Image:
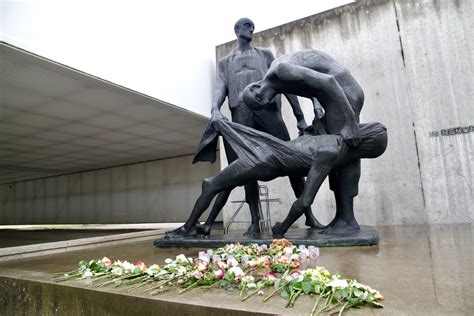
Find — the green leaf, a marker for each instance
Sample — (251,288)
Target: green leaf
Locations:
(277,282)
(285,295)
(317,288)
(297,285)
(307,287)
(376,303)
(345,293)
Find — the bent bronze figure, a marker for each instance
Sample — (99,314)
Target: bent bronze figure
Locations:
(317,76)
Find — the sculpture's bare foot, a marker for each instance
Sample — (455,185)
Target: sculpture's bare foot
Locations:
(312,222)
(278,230)
(341,226)
(253,230)
(181,232)
(204,229)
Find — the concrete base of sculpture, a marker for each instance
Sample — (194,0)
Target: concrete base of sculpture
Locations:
(366,236)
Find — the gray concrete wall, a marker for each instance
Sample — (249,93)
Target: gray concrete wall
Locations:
(157,191)
(414,61)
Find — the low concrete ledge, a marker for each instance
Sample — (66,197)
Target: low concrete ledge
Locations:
(30,297)
(97,227)
(21,252)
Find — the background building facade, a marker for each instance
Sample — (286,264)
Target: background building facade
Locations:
(414,61)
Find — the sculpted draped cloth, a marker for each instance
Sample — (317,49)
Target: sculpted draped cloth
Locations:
(258,148)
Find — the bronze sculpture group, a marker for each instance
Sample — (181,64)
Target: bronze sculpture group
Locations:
(257,143)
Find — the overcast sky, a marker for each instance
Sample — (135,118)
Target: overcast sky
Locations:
(165,49)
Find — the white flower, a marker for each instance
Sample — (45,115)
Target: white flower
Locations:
(127,266)
(117,271)
(232,262)
(153,269)
(338,283)
(87,274)
(168,261)
(237,271)
(182,270)
(181,258)
(295,257)
(247,279)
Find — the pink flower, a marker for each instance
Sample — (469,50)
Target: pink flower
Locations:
(219,273)
(141,265)
(378,296)
(270,276)
(295,273)
(197,274)
(201,265)
(107,262)
(263,262)
(222,265)
(295,264)
(283,259)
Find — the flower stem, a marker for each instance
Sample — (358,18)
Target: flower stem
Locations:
(189,287)
(242,290)
(69,276)
(100,278)
(330,308)
(313,311)
(343,307)
(290,298)
(112,281)
(272,293)
(210,285)
(138,286)
(328,300)
(132,280)
(156,288)
(64,273)
(295,296)
(251,294)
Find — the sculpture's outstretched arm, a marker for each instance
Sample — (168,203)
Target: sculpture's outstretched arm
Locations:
(297,112)
(220,93)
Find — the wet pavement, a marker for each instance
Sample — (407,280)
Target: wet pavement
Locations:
(419,269)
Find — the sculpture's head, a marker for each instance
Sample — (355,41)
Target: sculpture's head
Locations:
(256,95)
(244,28)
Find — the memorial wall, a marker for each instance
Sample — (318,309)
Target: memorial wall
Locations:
(414,61)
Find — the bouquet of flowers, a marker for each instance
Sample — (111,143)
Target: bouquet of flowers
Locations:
(248,268)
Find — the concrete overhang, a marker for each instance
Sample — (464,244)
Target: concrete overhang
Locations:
(57,120)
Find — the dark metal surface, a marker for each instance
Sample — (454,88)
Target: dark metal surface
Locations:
(366,236)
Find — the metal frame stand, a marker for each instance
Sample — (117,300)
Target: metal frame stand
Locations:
(265,223)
